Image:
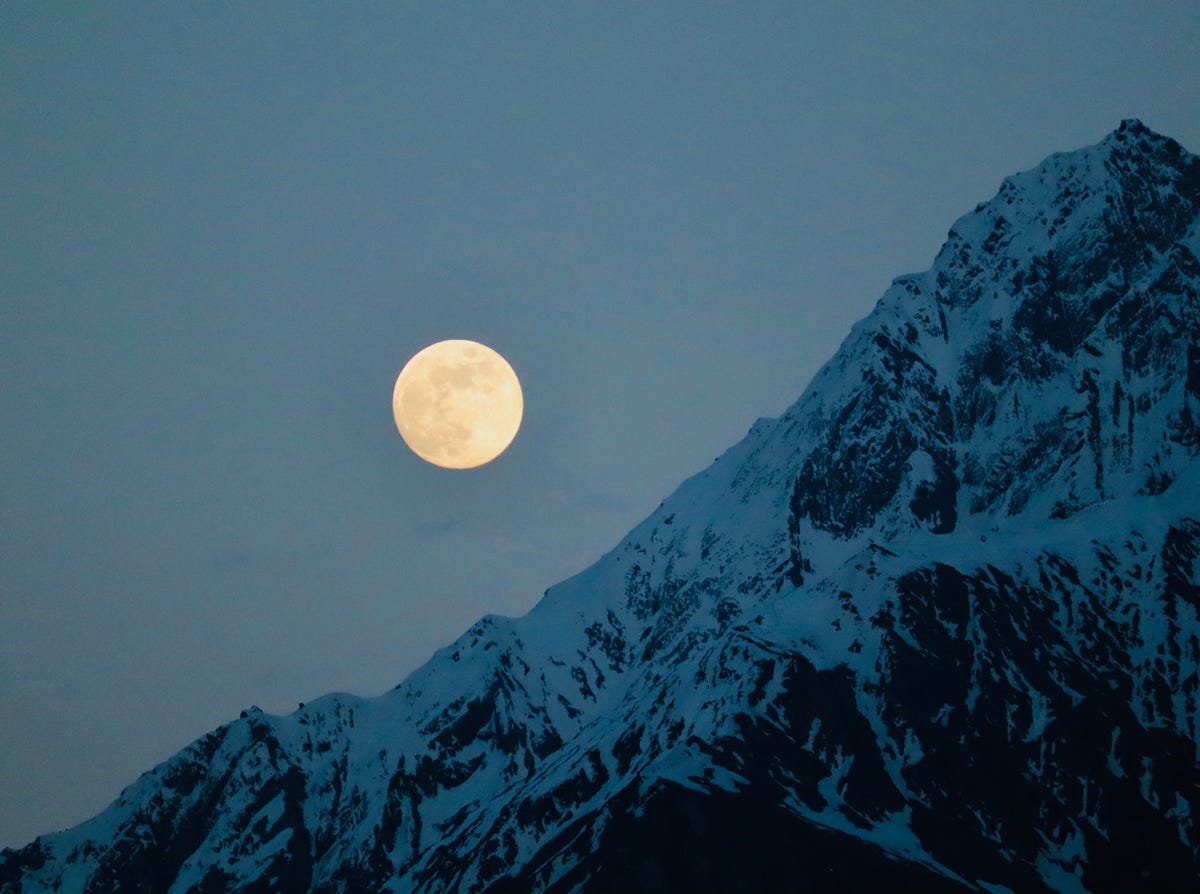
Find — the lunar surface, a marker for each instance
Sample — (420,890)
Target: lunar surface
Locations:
(457,404)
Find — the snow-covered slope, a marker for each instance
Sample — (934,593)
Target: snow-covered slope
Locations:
(935,628)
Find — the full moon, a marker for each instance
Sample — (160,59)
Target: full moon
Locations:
(457,404)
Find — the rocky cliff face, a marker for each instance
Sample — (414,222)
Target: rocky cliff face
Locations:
(935,628)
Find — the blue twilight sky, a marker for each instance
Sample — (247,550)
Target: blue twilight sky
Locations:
(224,227)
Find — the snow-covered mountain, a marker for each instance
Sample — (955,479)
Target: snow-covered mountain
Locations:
(935,628)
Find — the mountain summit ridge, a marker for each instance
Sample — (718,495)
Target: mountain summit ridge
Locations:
(935,626)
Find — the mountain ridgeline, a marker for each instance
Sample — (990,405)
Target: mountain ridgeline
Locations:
(936,628)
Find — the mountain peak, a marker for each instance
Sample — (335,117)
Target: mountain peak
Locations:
(1131,131)
(1133,138)
(1133,127)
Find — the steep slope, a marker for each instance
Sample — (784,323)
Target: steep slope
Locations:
(937,627)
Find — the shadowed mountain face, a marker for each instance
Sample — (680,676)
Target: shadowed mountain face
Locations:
(935,628)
